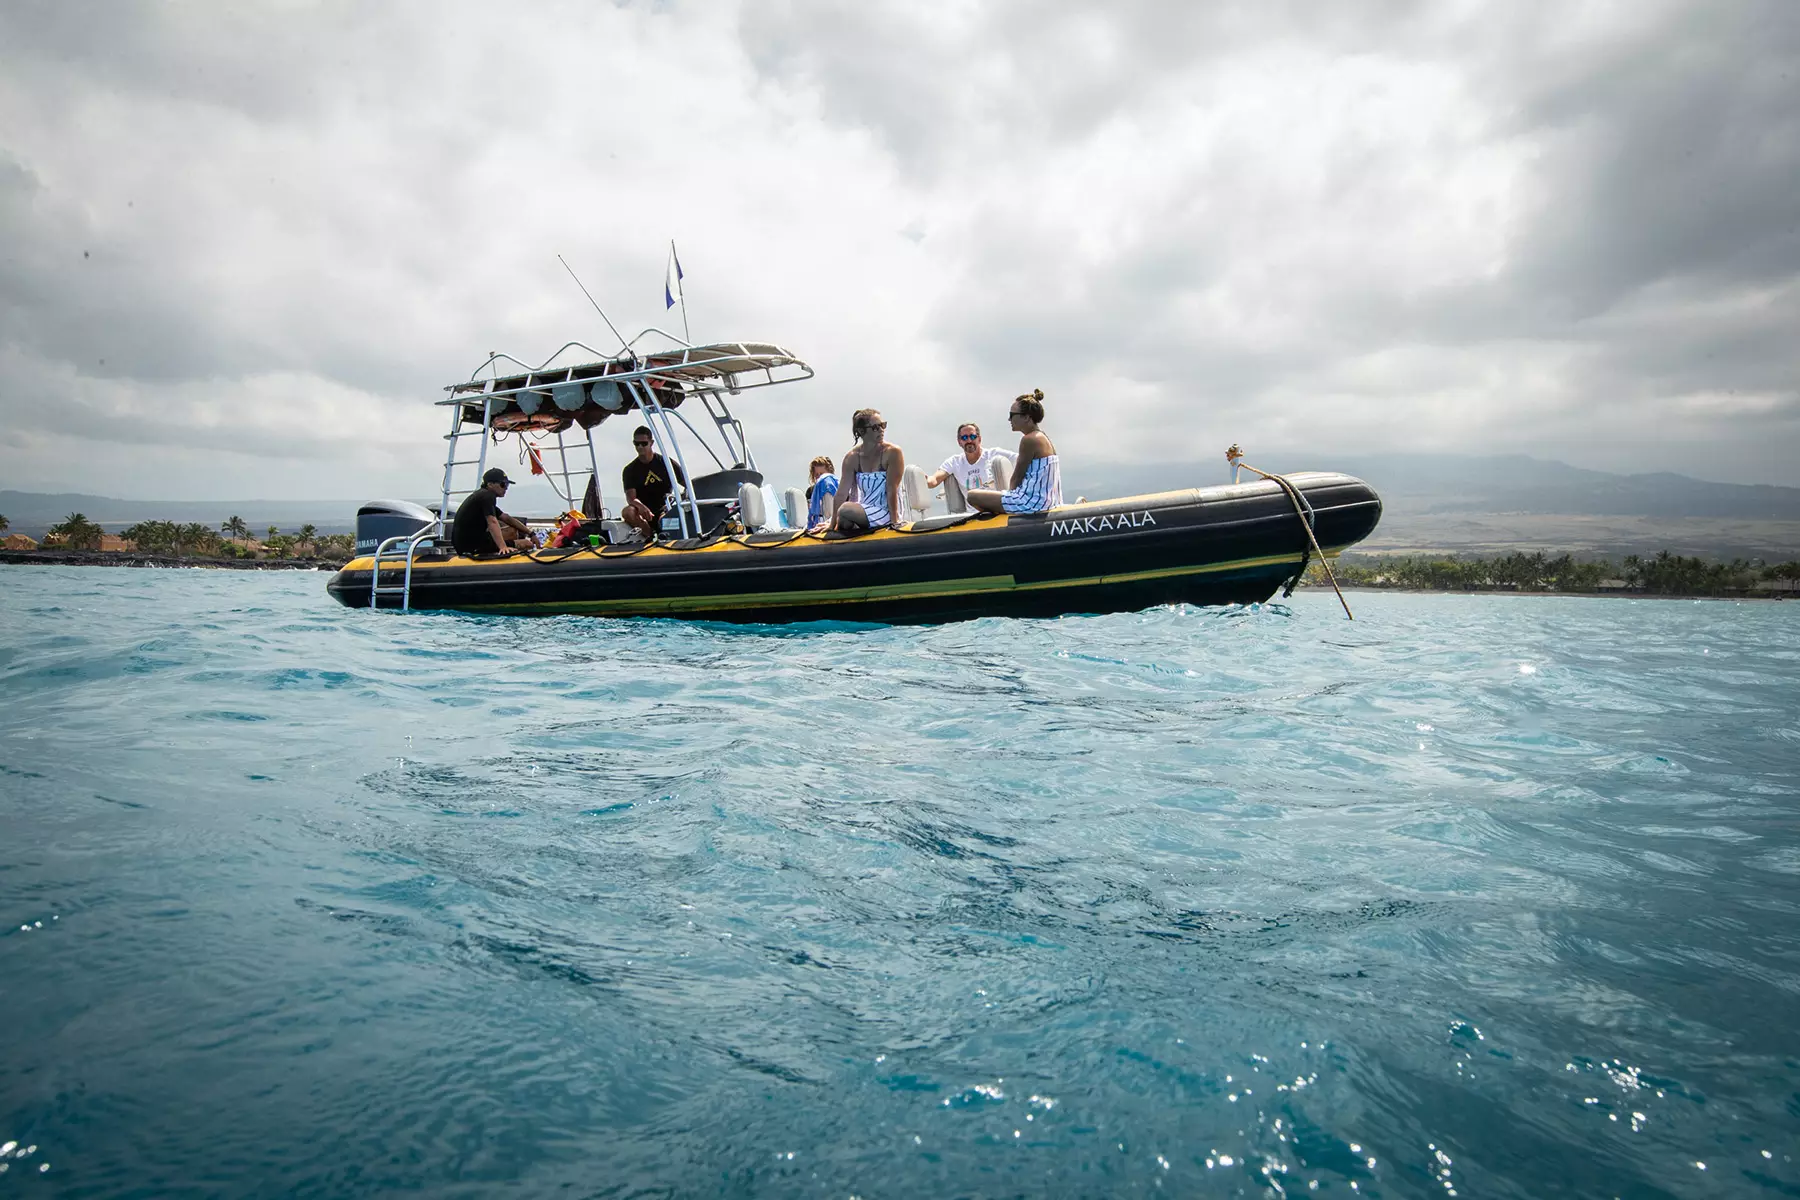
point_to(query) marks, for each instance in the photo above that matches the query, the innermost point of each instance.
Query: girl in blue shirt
(822, 495)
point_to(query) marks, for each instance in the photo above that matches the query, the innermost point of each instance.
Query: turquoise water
(1484, 896)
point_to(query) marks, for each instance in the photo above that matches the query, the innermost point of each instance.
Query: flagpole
(676, 259)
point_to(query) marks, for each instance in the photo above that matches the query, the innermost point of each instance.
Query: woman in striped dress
(1037, 476)
(869, 485)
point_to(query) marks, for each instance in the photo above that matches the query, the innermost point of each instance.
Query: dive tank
(379, 520)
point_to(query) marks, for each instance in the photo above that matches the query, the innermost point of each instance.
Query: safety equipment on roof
(519, 422)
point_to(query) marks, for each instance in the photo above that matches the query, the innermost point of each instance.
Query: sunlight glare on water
(1472, 896)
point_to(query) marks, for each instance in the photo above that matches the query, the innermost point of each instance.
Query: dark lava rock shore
(96, 558)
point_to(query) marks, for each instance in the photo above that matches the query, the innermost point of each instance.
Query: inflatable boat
(724, 555)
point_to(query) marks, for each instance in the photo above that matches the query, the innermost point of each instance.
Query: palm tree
(4, 525)
(156, 536)
(196, 538)
(79, 533)
(236, 527)
(308, 534)
(273, 534)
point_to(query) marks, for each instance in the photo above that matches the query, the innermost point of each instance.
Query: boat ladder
(404, 588)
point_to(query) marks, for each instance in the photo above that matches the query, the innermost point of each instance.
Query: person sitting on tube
(969, 468)
(648, 481)
(821, 496)
(869, 486)
(1037, 476)
(480, 527)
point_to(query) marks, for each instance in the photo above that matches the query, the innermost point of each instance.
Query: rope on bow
(1235, 457)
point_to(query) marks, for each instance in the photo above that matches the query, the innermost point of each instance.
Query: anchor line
(1235, 457)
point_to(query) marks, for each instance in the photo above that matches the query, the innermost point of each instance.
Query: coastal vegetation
(191, 540)
(77, 533)
(1661, 574)
(233, 540)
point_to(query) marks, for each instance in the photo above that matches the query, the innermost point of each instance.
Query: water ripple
(1485, 895)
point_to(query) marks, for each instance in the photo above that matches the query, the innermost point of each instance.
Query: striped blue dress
(871, 493)
(1041, 490)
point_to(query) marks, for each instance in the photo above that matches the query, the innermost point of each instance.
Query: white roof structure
(590, 391)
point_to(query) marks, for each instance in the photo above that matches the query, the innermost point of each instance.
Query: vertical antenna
(623, 344)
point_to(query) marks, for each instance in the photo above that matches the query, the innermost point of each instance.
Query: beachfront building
(112, 543)
(18, 541)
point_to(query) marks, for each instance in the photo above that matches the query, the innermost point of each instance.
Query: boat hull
(1227, 545)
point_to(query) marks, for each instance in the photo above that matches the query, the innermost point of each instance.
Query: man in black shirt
(648, 481)
(480, 527)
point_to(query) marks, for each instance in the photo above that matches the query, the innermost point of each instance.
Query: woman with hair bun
(1037, 476)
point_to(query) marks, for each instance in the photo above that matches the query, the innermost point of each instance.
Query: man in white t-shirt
(969, 470)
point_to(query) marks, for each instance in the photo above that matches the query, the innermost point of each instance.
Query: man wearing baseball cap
(480, 527)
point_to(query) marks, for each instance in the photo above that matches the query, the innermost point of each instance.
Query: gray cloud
(275, 234)
(1642, 230)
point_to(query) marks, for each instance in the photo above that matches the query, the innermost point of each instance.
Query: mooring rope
(1235, 457)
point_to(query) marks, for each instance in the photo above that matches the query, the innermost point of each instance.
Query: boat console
(715, 495)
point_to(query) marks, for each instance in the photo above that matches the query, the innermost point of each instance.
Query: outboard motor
(379, 520)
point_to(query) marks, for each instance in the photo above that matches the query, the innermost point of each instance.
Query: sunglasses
(635, 442)
(968, 437)
(1017, 412)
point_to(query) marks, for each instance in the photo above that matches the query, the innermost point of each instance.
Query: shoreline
(132, 558)
(97, 558)
(1409, 591)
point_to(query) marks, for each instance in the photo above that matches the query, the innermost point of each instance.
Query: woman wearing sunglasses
(1037, 476)
(869, 485)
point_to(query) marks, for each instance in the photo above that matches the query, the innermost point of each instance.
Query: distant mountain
(34, 512)
(1449, 483)
(1432, 501)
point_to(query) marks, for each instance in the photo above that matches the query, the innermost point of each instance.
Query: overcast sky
(242, 248)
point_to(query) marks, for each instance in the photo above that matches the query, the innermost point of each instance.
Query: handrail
(703, 443)
(404, 591)
(653, 329)
(495, 355)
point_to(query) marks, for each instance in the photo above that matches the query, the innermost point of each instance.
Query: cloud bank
(240, 252)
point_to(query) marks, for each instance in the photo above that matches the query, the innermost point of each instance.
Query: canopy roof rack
(588, 392)
(542, 405)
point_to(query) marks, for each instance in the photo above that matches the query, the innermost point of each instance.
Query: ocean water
(1476, 896)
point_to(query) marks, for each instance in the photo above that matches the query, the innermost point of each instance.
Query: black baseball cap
(496, 475)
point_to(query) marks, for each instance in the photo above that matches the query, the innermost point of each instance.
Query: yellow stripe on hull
(929, 590)
(722, 546)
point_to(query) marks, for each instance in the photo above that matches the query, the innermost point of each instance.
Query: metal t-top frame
(567, 403)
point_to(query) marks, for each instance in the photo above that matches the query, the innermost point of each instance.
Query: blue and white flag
(672, 281)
